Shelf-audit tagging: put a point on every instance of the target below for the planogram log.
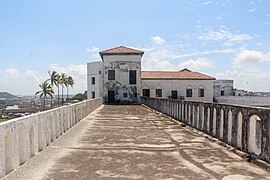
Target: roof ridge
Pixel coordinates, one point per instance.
(186, 74)
(132, 50)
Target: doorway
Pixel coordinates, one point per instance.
(110, 96)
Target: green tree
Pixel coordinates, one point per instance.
(79, 96)
(46, 89)
(53, 80)
(85, 94)
(70, 82)
(63, 82)
(58, 82)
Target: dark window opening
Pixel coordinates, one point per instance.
(201, 92)
(111, 74)
(124, 94)
(189, 93)
(158, 92)
(93, 95)
(222, 93)
(93, 80)
(135, 95)
(174, 94)
(132, 77)
(146, 92)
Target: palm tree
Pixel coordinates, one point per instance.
(53, 80)
(58, 82)
(46, 89)
(63, 82)
(70, 82)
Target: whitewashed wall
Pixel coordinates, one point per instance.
(180, 86)
(122, 64)
(223, 85)
(22, 138)
(94, 69)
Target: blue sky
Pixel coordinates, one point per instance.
(223, 38)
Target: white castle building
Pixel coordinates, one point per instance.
(118, 79)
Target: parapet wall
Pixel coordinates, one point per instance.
(245, 100)
(245, 128)
(22, 138)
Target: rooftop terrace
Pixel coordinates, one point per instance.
(133, 141)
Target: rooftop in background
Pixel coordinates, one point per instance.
(121, 50)
(184, 74)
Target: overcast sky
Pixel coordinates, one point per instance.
(227, 39)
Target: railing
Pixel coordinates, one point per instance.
(22, 138)
(245, 128)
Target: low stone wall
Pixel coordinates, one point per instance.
(245, 128)
(22, 138)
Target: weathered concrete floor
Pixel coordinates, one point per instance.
(131, 142)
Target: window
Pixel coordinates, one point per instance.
(93, 95)
(189, 93)
(146, 92)
(132, 77)
(93, 80)
(158, 92)
(174, 94)
(201, 92)
(111, 74)
(222, 93)
(124, 94)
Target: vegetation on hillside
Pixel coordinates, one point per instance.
(2, 120)
(80, 96)
(6, 95)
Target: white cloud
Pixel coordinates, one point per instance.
(20, 82)
(252, 10)
(206, 3)
(32, 76)
(222, 51)
(250, 58)
(12, 72)
(225, 36)
(197, 64)
(255, 80)
(77, 71)
(93, 49)
(25, 82)
(158, 59)
(94, 54)
(158, 40)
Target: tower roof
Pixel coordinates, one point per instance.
(121, 50)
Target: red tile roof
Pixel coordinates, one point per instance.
(121, 50)
(184, 74)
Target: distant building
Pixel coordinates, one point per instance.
(239, 92)
(184, 84)
(118, 79)
(223, 88)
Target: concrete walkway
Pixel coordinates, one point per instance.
(131, 142)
